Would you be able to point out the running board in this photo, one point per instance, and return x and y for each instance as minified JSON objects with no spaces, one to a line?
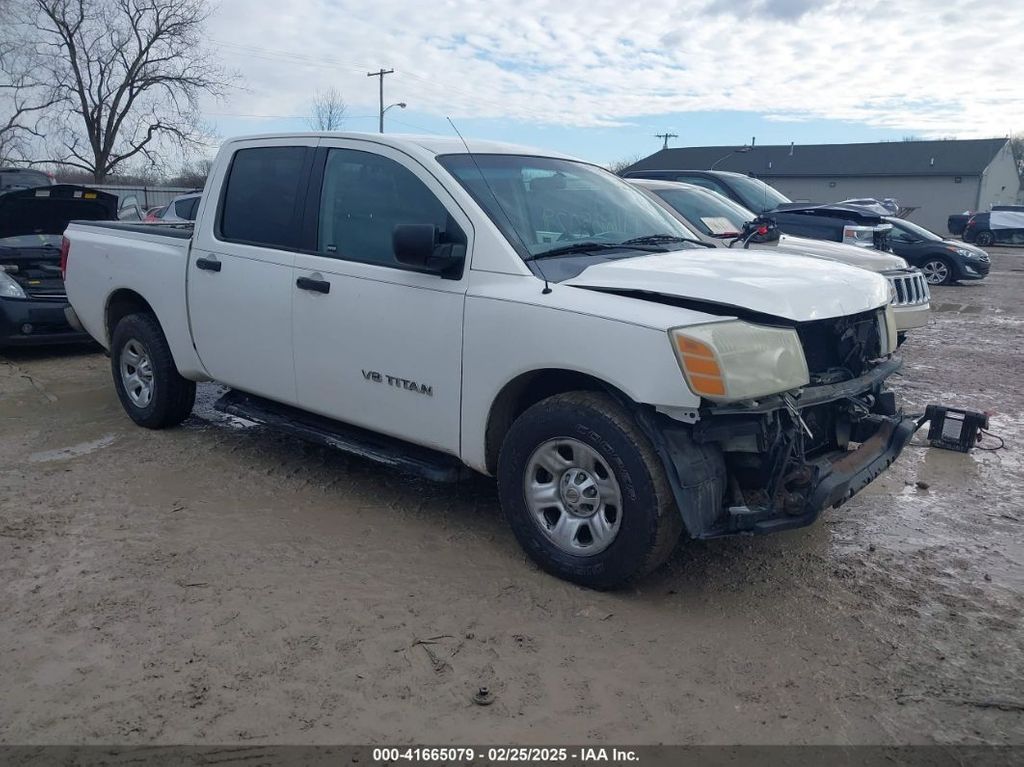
{"x":403,"y":456}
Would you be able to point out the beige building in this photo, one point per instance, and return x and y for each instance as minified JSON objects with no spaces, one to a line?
{"x":935,"y":178}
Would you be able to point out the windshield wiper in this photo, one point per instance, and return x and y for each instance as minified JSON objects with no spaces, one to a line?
{"x":589,"y":247}
{"x":653,"y":238}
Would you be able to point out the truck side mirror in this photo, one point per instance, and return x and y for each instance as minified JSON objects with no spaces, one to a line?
{"x":418,"y":246}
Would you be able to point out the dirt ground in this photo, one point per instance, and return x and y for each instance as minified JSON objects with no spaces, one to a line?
{"x":219,"y":583}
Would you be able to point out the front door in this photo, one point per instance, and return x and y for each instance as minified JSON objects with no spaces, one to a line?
{"x":377,"y":344}
{"x":240,"y":284}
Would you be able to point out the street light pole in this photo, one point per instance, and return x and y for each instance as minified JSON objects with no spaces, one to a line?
{"x":380,"y":73}
{"x":741,"y":150}
{"x":400,"y":105}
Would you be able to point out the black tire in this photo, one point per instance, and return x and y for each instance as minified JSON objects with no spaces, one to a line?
{"x":984,"y":239}
{"x":933,"y":267}
{"x":650,"y":523}
{"x":172,"y":396}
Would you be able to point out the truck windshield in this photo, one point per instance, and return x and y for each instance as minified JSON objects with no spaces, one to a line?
{"x":756,"y":194}
{"x":545,"y":204}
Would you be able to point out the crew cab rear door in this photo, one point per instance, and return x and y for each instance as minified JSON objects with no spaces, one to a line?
{"x":240,"y":284}
{"x":377,"y":344}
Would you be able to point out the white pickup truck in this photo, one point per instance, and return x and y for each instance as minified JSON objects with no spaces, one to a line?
{"x":445,"y":306}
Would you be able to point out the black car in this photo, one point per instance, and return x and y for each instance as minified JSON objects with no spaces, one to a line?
{"x":942,"y":261}
{"x":753,"y":194}
{"x":1003,"y":224}
{"x":32,"y":297}
{"x":957,"y":222}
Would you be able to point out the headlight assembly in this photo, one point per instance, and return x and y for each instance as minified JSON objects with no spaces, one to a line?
{"x":9,"y":288}
{"x":735,"y":360}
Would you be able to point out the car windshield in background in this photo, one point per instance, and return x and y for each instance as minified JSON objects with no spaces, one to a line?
{"x":918,"y":232}
{"x":756,"y":194}
{"x":709,"y":212}
{"x":22,"y":179}
{"x":545,"y":204}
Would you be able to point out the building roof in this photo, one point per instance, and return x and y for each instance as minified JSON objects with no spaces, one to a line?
{"x":894,"y":158}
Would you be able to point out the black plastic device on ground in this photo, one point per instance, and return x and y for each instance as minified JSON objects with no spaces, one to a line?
{"x":954,"y":429}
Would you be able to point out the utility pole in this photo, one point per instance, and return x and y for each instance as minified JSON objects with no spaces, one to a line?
{"x":380,"y":73}
{"x":666,"y":136}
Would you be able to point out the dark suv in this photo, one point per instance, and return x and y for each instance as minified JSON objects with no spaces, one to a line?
{"x":838,"y":222}
{"x":749,"y":192}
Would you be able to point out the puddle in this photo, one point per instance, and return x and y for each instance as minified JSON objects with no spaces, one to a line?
{"x":206,"y":395}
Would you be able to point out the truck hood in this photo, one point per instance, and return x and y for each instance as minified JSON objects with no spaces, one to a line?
{"x":771,"y":283}
{"x":865,"y":258}
{"x":49,"y":209}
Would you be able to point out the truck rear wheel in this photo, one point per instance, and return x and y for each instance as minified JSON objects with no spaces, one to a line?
{"x":152,"y":392}
{"x":585,"y":492}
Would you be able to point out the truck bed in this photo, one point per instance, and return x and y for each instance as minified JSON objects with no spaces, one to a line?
{"x":112,"y":265}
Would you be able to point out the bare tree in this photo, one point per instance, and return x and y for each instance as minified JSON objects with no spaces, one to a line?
{"x":24,"y":96}
{"x":618,"y":166}
{"x":192,"y":174}
{"x":328,"y":110}
{"x":130,"y":74}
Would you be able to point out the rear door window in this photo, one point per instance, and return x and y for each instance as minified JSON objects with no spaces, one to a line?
{"x":262,"y":196}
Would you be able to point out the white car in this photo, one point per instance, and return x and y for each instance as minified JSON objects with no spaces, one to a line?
{"x":446,"y":307}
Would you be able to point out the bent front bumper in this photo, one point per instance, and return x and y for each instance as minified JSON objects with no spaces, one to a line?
{"x":836,"y":478}
{"x":37,"y":321}
{"x":709,"y":465}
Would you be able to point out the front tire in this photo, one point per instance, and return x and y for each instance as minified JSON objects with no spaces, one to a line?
{"x":585,"y":492}
{"x":151,"y":390}
{"x":984,"y":239}
{"x":938,"y":271}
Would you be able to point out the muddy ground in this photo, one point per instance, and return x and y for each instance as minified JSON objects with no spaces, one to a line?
{"x":218,"y":583}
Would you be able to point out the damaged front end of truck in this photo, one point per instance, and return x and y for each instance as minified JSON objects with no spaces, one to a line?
{"x":773,"y":462}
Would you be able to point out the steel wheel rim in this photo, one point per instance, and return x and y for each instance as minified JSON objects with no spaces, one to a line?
{"x":137,"y":373}
{"x":935,"y":272}
{"x":573,"y":496}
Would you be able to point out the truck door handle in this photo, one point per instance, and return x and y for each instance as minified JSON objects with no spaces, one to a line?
{"x":317,"y":286}
{"x":208,"y":264}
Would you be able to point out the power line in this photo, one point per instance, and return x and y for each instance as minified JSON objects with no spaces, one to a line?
{"x":434,"y":85}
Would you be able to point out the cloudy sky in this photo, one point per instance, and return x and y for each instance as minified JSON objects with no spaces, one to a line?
{"x":598,"y":78}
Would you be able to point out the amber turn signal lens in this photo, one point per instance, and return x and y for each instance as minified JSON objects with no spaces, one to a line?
{"x":701,"y":367}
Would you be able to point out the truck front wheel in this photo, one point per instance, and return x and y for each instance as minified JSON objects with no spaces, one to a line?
{"x":147,"y":381}
{"x":584,"y":491}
